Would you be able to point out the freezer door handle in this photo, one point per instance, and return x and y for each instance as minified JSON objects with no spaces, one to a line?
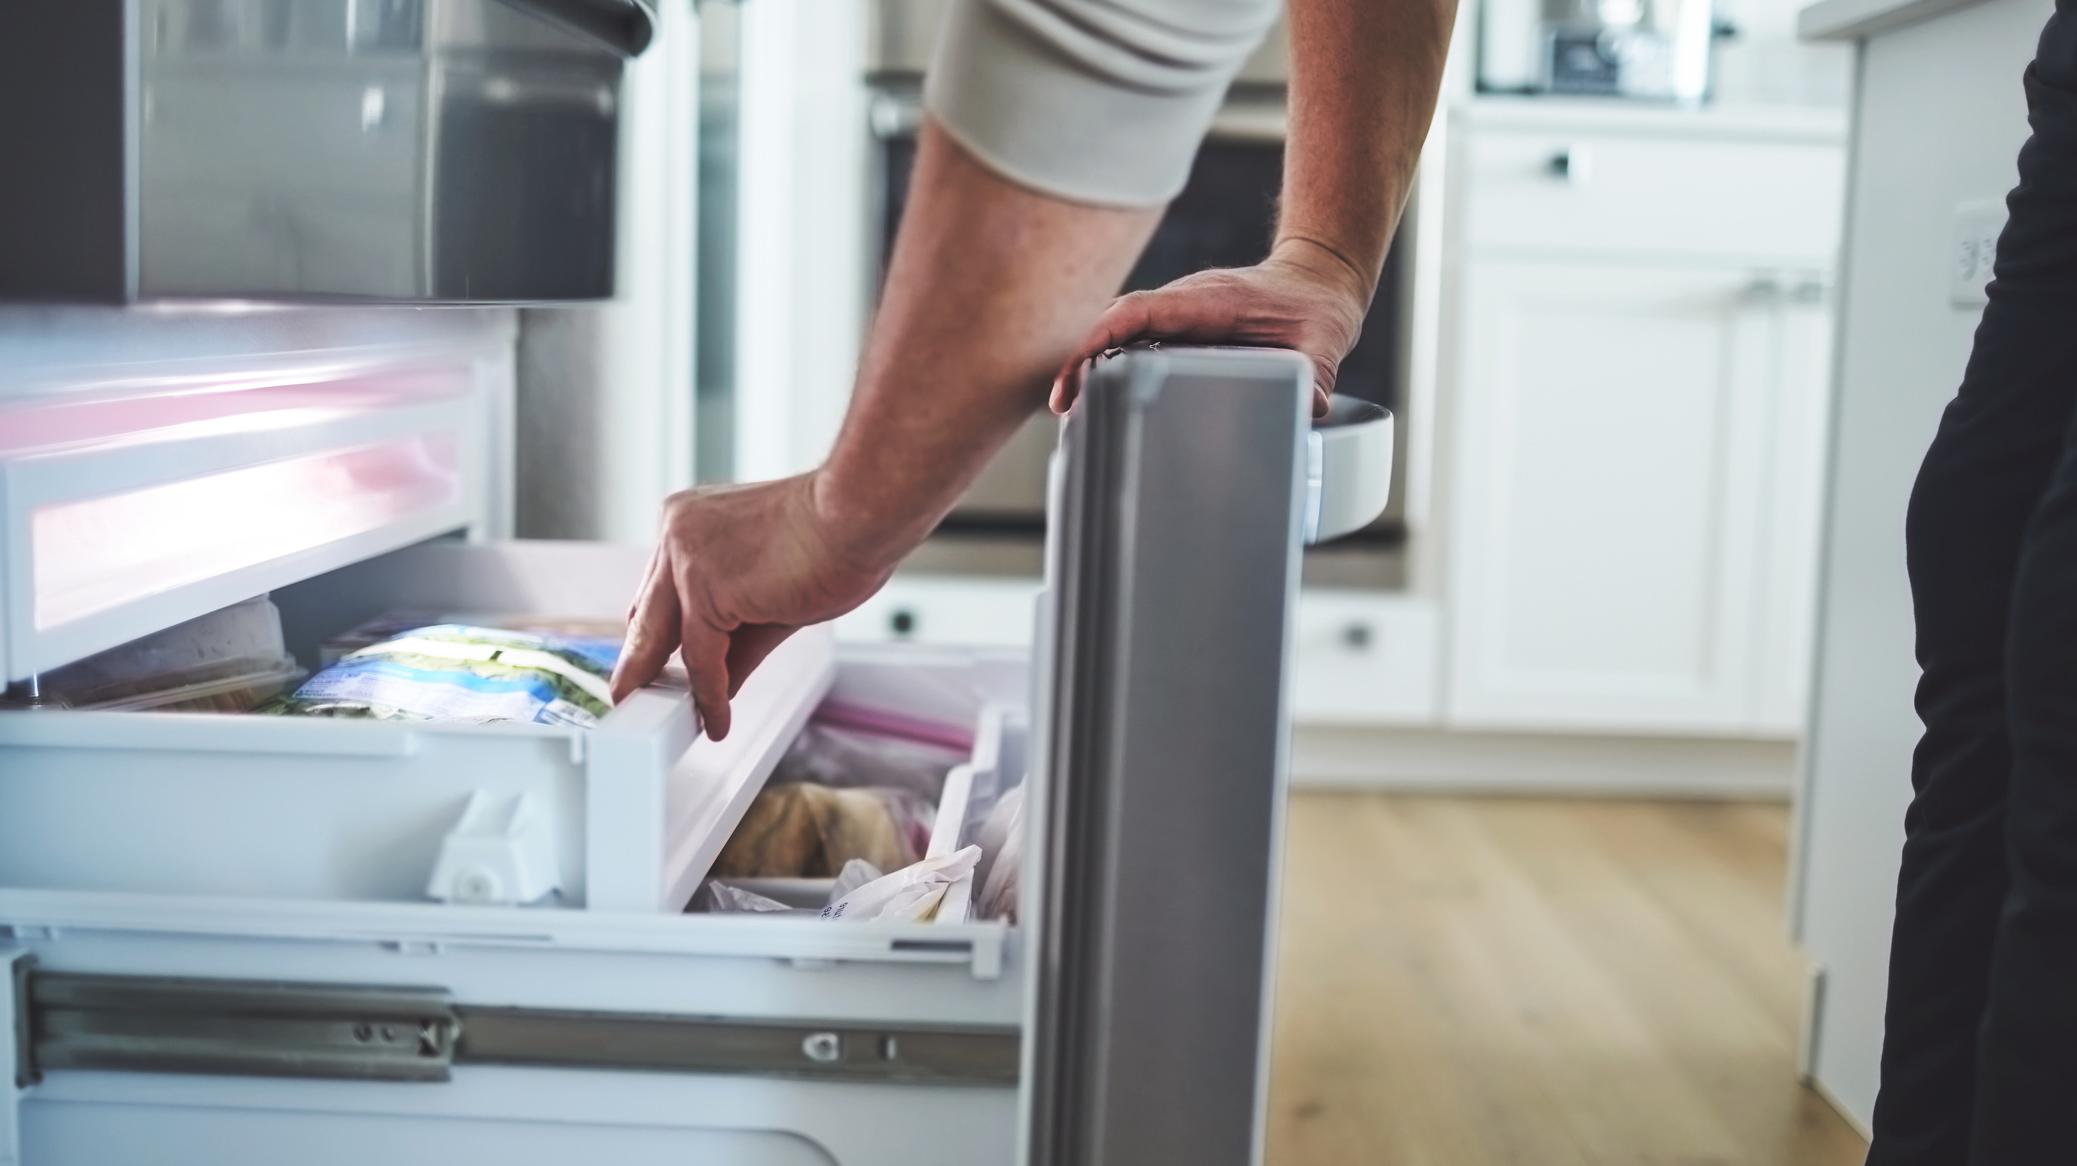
{"x":1348,"y":476}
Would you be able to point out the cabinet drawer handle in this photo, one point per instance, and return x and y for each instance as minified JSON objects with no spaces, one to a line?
{"x":902,"y":623}
{"x":1568,"y":165}
{"x":1357,"y":637}
{"x":1764,"y":288}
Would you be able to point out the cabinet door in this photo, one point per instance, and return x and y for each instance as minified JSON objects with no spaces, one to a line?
{"x":1798,"y":438}
{"x":1610,"y":431}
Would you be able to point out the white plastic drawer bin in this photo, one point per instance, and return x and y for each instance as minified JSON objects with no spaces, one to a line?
{"x":629,"y":814}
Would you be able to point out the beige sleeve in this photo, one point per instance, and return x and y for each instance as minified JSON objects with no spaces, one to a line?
{"x":1100,"y":101}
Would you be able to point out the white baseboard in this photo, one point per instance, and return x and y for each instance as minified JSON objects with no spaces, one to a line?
{"x":1438,"y":761}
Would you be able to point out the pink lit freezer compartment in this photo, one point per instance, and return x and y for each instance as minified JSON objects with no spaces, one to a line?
{"x":97,"y":554}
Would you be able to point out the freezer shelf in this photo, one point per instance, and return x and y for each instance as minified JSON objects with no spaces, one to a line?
{"x":290,"y":471}
{"x":761,"y":1040}
{"x":634,"y":810}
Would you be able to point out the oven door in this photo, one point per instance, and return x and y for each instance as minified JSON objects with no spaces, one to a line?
{"x":1225,"y":217}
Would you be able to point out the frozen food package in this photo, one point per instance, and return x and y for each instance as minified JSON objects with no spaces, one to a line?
{"x":230,"y":660}
{"x":849,"y":749}
{"x":910,"y":895}
{"x":1001,"y":839}
{"x":596,"y":639}
{"x":804,"y":830}
{"x":463,"y":673}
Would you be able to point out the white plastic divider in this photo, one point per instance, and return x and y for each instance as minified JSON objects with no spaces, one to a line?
{"x":122,"y":514}
{"x":712,"y":787}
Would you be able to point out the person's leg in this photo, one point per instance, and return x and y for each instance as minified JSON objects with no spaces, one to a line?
{"x":1984,"y":475}
{"x":2027,"y":1071}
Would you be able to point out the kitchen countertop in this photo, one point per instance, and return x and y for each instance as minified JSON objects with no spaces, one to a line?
{"x":1776,"y":122}
{"x":1854,"y":19}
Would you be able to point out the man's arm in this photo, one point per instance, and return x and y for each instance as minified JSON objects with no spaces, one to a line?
{"x":988,"y":286}
{"x":1058,"y":128}
{"x":1364,"y":79}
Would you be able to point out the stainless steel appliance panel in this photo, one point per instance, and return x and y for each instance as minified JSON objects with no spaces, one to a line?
{"x":382,"y":150}
{"x":1164,"y":749}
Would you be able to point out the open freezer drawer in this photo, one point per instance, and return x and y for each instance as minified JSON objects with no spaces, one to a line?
{"x":1123,"y":1020}
{"x":634,"y":810}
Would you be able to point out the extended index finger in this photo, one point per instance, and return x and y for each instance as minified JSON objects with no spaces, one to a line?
{"x":652,"y":631}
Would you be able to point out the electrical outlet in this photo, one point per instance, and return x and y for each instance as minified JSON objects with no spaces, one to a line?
{"x":1973,"y":250}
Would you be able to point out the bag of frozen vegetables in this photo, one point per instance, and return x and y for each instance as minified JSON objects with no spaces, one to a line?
{"x":459,"y":672}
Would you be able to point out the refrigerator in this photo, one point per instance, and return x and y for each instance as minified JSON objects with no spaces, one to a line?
{"x":237,"y":938}
{"x":231,"y":938}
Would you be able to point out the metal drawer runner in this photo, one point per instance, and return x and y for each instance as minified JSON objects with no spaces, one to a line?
{"x":264,"y":1028}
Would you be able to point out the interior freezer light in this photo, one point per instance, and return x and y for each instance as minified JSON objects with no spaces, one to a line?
{"x":93,"y":555}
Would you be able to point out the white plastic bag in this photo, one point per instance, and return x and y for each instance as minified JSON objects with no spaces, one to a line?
{"x":1002,"y":843}
{"x":911,"y":894}
{"x":722,"y":899}
{"x":844,"y":756}
{"x":856,"y":873}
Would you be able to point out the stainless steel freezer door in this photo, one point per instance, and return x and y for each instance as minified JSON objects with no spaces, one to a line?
{"x":1179,"y":501}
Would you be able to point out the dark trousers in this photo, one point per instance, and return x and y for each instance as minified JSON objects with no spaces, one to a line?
{"x":1979,"y":1064}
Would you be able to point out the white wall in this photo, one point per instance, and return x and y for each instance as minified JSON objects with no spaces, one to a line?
{"x":606,"y":390}
{"x":803,"y":266}
{"x":1766,"y":65}
{"x":1940,"y":118}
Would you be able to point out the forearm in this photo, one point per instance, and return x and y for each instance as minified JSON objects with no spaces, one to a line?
{"x":989,"y":286}
{"x":1364,"y":80}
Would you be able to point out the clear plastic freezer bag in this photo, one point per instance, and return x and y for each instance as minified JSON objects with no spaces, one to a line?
{"x":806,"y":830}
{"x":230,"y":660}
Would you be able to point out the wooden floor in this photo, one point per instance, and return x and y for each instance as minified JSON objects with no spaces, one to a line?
{"x":1577,"y":983}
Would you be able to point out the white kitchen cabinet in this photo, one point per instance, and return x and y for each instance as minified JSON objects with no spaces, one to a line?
{"x":1638,"y":451}
{"x":1799,"y":437}
{"x":1635,"y":382}
{"x":1357,"y":658}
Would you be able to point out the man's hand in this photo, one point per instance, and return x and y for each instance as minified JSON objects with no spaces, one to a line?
{"x":1303,"y":297}
{"x":737,"y":569}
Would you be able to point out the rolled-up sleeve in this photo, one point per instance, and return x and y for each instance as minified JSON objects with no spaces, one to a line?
{"x":1100,"y":101}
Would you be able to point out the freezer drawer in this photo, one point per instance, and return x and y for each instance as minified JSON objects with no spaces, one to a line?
{"x":1130,"y":997}
{"x":138,"y":497}
{"x":634,"y":810}
{"x":162,"y":1023}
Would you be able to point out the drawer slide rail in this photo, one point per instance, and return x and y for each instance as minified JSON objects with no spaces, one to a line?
{"x":379,"y":1033}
